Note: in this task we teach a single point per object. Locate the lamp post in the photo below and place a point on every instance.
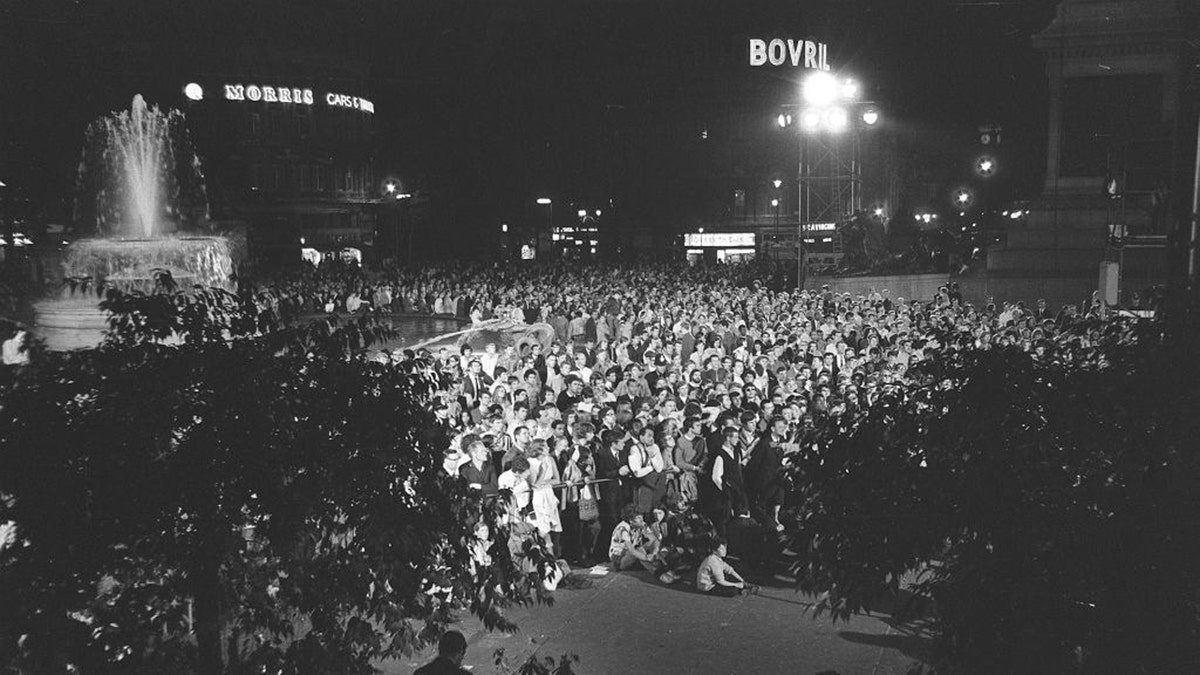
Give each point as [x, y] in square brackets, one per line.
[549, 203]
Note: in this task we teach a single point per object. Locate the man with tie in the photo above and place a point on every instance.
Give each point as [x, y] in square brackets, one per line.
[475, 381]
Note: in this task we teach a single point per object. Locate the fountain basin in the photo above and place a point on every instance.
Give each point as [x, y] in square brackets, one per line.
[128, 264]
[75, 320]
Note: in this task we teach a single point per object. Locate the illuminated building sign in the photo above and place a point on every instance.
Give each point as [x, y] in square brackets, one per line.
[797, 53]
[270, 94]
[820, 227]
[344, 101]
[718, 239]
[254, 92]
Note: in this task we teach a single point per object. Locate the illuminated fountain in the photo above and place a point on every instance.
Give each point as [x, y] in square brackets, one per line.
[140, 185]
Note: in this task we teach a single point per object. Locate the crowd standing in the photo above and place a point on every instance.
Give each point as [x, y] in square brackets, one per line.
[671, 397]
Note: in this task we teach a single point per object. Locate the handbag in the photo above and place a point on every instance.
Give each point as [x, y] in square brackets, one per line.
[589, 507]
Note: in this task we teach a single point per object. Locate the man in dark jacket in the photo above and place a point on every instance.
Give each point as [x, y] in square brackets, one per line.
[451, 650]
[763, 473]
[609, 461]
[479, 473]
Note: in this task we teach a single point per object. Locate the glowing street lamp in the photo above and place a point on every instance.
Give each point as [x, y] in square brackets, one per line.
[545, 201]
[390, 187]
[870, 117]
[878, 212]
[582, 213]
[777, 183]
[193, 91]
[504, 227]
[985, 166]
[775, 203]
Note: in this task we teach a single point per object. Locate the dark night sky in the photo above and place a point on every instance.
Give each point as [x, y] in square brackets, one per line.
[499, 99]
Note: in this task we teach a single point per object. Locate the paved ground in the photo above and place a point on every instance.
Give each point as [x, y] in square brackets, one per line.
[628, 623]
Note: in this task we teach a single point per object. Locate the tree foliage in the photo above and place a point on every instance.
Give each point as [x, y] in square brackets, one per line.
[253, 498]
[1047, 509]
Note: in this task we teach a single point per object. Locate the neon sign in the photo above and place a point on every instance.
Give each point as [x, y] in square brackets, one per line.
[270, 94]
[718, 239]
[344, 101]
[814, 55]
[820, 227]
[254, 92]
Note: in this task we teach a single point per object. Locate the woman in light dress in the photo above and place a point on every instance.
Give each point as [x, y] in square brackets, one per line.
[543, 477]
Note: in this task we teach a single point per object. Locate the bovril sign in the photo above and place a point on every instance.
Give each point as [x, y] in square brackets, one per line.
[795, 53]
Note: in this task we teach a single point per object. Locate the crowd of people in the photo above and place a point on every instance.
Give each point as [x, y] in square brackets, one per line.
[671, 397]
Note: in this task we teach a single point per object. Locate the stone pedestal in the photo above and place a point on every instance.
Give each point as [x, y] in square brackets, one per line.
[1117, 79]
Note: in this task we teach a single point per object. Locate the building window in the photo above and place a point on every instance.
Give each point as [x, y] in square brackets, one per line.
[739, 203]
[255, 124]
[318, 178]
[276, 176]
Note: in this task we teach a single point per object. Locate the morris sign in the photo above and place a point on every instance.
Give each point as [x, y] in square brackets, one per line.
[796, 53]
[272, 94]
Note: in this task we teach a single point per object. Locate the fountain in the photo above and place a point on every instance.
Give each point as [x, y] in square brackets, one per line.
[140, 184]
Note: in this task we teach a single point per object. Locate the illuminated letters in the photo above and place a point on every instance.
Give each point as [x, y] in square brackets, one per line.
[295, 95]
[347, 101]
[777, 52]
[758, 52]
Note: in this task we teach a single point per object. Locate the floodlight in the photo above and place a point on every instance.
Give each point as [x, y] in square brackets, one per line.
[849, 90]
[837, 119]
[810, 120]
[544, 201]
[820, 89]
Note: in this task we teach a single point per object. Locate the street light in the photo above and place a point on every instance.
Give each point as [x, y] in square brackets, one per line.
[390, 187]
[546, 201]
[777, 183]
[985, 166]
[870, 117]
[504, 227]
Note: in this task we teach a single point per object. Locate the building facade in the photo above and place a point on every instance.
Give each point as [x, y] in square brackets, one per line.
[287, 150]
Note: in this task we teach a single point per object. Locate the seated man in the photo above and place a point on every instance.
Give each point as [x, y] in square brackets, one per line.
[627, 549]
[717, 577]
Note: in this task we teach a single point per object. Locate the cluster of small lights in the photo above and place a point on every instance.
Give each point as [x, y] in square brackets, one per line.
[924, 217]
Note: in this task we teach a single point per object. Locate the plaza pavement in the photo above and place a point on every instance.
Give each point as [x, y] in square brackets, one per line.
[631, 624]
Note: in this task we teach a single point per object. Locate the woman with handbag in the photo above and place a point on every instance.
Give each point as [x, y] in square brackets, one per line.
[581, 505]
